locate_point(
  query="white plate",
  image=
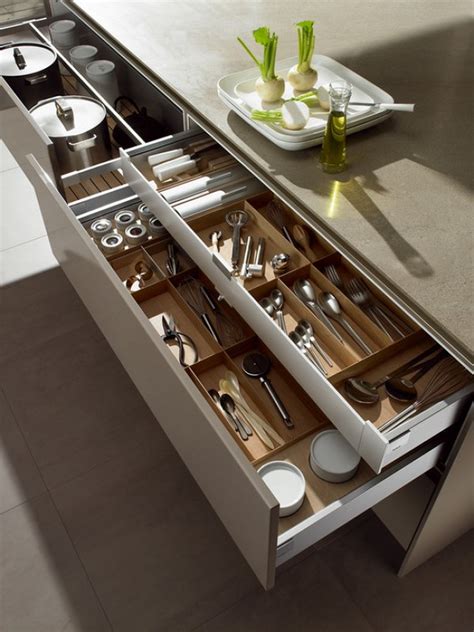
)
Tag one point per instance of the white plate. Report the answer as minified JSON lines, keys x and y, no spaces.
{"x":287,"y":484}
{"x":237,"y":92}
{"x":332,"y":458}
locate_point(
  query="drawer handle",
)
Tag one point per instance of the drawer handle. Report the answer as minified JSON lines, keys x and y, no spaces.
{"x":87,"y":143}
{"x":32,"y":81}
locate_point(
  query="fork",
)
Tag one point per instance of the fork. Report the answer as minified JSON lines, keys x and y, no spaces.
{"x":333,"y":275}
{"x":378,"y":307}
{"x":363,"y":299}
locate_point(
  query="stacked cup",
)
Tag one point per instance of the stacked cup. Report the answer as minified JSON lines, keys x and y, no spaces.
{"x":64,"y":37}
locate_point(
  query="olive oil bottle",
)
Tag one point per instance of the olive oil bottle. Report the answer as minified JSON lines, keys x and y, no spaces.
{"x":333,"y":152}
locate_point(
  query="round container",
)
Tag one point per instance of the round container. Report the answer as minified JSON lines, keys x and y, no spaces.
{"x":144,"y":213}
{"x":31,"y":70}
{"x":111,"y":243}
{"x":155,"y":227}
{"x":82,"y":55}
{"x":123,"y":219}
{"x":287,"y":484}
{"x":101,"y":74}
{"x":101,"y":227}
{"x":63,"y":33}
{"x":332,"y":458}
{"x":78,"y":128}
{"x":136,"y":234}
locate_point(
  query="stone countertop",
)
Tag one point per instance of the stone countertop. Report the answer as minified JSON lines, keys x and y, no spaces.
{"x":404,"y":207}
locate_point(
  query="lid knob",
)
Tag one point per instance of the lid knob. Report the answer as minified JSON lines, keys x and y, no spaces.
{"x":64,"y":112}
{"x":19,"y":59}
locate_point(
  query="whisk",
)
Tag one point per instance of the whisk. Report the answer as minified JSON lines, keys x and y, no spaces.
{"x":277,"y":216}
{"x":448,"y":377}
{"x":224,"y":331}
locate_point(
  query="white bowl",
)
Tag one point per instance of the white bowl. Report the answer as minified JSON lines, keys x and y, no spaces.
{"x":287,"y":484}
{"x":332,"y":458}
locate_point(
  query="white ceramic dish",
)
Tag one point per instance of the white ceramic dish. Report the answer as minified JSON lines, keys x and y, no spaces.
{"x":237,"y":92}
{"x":332,"y":458}
{"x":287,"y":484}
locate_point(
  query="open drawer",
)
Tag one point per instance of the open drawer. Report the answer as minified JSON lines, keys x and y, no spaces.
{"x":221,"y":462}
{"x":367,"y":432}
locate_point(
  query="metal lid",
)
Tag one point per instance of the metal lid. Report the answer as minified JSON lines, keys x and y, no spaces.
{"x":59,"y":117}
{"x":21,"y":59}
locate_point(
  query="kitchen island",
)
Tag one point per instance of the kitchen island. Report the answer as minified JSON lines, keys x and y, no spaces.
{"x":402,"y":211}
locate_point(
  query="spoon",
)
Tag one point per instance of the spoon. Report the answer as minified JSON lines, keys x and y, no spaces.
{"x":228,"y":406}
{"x":301,"y":237}
{"x":308,"y":328}
{"x":299,"y":342}
{"x":233,"y":382}
{"x":251,"y":418}
{"x":278,"y":300}
{"x":330,"y":305}
{"x":300,"y":331}
{"x":268,"y":306}
{"x":257,"y":365}
{"x":215,"y":238}
{"x":217,"y":399}
{"x":305,"y":292}
{"x":364,"y":392}
{"x":404,"y":389}
{"x":236,"y":219}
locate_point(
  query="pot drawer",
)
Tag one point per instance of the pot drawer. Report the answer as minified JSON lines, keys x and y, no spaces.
{"x":223,"y":465}
{"x":378,"y":448}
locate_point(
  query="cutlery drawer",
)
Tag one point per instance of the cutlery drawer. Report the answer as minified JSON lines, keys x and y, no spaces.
{"x":223,"y":464}
{"x":357,"y":423}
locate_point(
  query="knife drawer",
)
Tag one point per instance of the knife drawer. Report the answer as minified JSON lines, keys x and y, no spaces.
{"x":220,"y":461}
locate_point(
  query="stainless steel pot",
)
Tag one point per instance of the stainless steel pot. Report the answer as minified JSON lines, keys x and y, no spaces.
{"x":78,"y":128}
{"x":32,"y":71}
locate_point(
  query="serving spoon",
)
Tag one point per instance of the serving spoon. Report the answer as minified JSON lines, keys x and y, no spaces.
{"x":330,"y":306}
{"x":305,"y":292}
{"x":278,"y":300}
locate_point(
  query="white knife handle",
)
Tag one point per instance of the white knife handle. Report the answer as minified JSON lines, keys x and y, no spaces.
{"x":199,"y":185}
{"x":163,"y":172}
{"x":398,"y":107}
{"x":164,"y":156}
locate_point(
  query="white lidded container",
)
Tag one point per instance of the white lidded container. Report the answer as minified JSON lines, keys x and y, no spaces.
{"x":102,"y":75}
{"x":287,"y":484}
{"x":82,"y":55}
{"x":63,"y":33}
{"x":332,"y":458}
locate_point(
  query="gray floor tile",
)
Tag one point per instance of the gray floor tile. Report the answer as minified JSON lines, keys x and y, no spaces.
{"x":436,"y":597}
{"x":43,"y":586}
{"x":75,"y":404}
{"x":37,"y":308}
{"x":156,"y":553}
{"x":19,"y":476}
{"x":307,"y":598}
{"x":20,"y":215}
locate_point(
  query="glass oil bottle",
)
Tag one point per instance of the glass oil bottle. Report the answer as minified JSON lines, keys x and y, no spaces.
{"x":333,"y":152}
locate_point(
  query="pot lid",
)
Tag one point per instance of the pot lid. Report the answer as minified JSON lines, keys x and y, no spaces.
{"x":60,"y":117}
{"x":21,"y":59}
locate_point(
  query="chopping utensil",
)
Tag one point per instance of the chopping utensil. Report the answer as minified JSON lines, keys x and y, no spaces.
{"x":330,"y":306}
{"x":236,"y":219}
{"x":278,"y":300}
{"x":215,"y":238}
{"x":305,"y":350}
{"x":448,"y":378}
{"x":171,"y":334}
{"x":308,"y":330}
{"x":257,"y":365}
{"x":228,"y":406}
{"x":364,"y":392}
{"x":277,"y":217}
{"x":301,"y":237}
{"x":280,"y":263}
{"x":305,"y":292}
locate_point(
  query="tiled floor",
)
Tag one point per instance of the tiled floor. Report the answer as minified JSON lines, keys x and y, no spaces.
{"x":102,"y":527}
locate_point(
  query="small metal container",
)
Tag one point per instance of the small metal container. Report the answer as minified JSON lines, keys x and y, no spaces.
{"x":31,"y":70}
{"x":111,"y":243}
{"x":136,"y":234}
{"x":144,"y":213}
{"x":123,"y":219}
{"x":155,"y":227}
{"x":101,"y":227}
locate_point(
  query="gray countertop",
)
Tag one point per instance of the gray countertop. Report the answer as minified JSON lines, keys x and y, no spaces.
{"x":404,"y":206}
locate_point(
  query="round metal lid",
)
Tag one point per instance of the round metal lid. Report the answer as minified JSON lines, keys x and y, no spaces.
{"x":87,"y":113}
{"x":36,"y":58}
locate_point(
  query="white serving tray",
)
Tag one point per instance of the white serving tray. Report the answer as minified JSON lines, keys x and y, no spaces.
{"x":236,"y":91}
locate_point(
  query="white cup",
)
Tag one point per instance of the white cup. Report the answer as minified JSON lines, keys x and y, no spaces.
{"x":101,"y":74}
{"x":80,"y":56}
{"x":63,"y":33}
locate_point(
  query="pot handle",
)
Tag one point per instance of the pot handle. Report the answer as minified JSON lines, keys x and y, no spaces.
{"x":32,"y":81}
{"x":87,"y":143}
{"x":19,"y":59}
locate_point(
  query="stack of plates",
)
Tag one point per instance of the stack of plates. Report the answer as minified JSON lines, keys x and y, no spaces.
{"x":287,"y":484}
{"x":332,"y":458}
{"x":237,"y":91}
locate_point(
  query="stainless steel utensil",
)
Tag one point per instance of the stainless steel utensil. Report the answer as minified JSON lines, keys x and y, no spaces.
{"x":382,"y":310}
{"x":280,"y":263}
{"x":362,"y":299}
{"x":305,"y":350}
{"x":396,"y":107}
{"x":228,"y":330}
{"x":172,"y":262}
{"x":268,"y":306}
{"x":305,"y":292}
{"x":307,"y":327}
{"x":230,"y":418}
{"x":302,"y":238}
{"x":307,"y":343}
{"x":228,"y":406}
{"x":215,"y":238}
{"x":244,"y":270}
{"x":190,"y":289}
{"x":236,"y":219}
{"x":278,"y":300}
{"x":277,"y":217}
{"x":257,"y":365}
{"x":257,"y":268}
{"x":330,"y":305}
